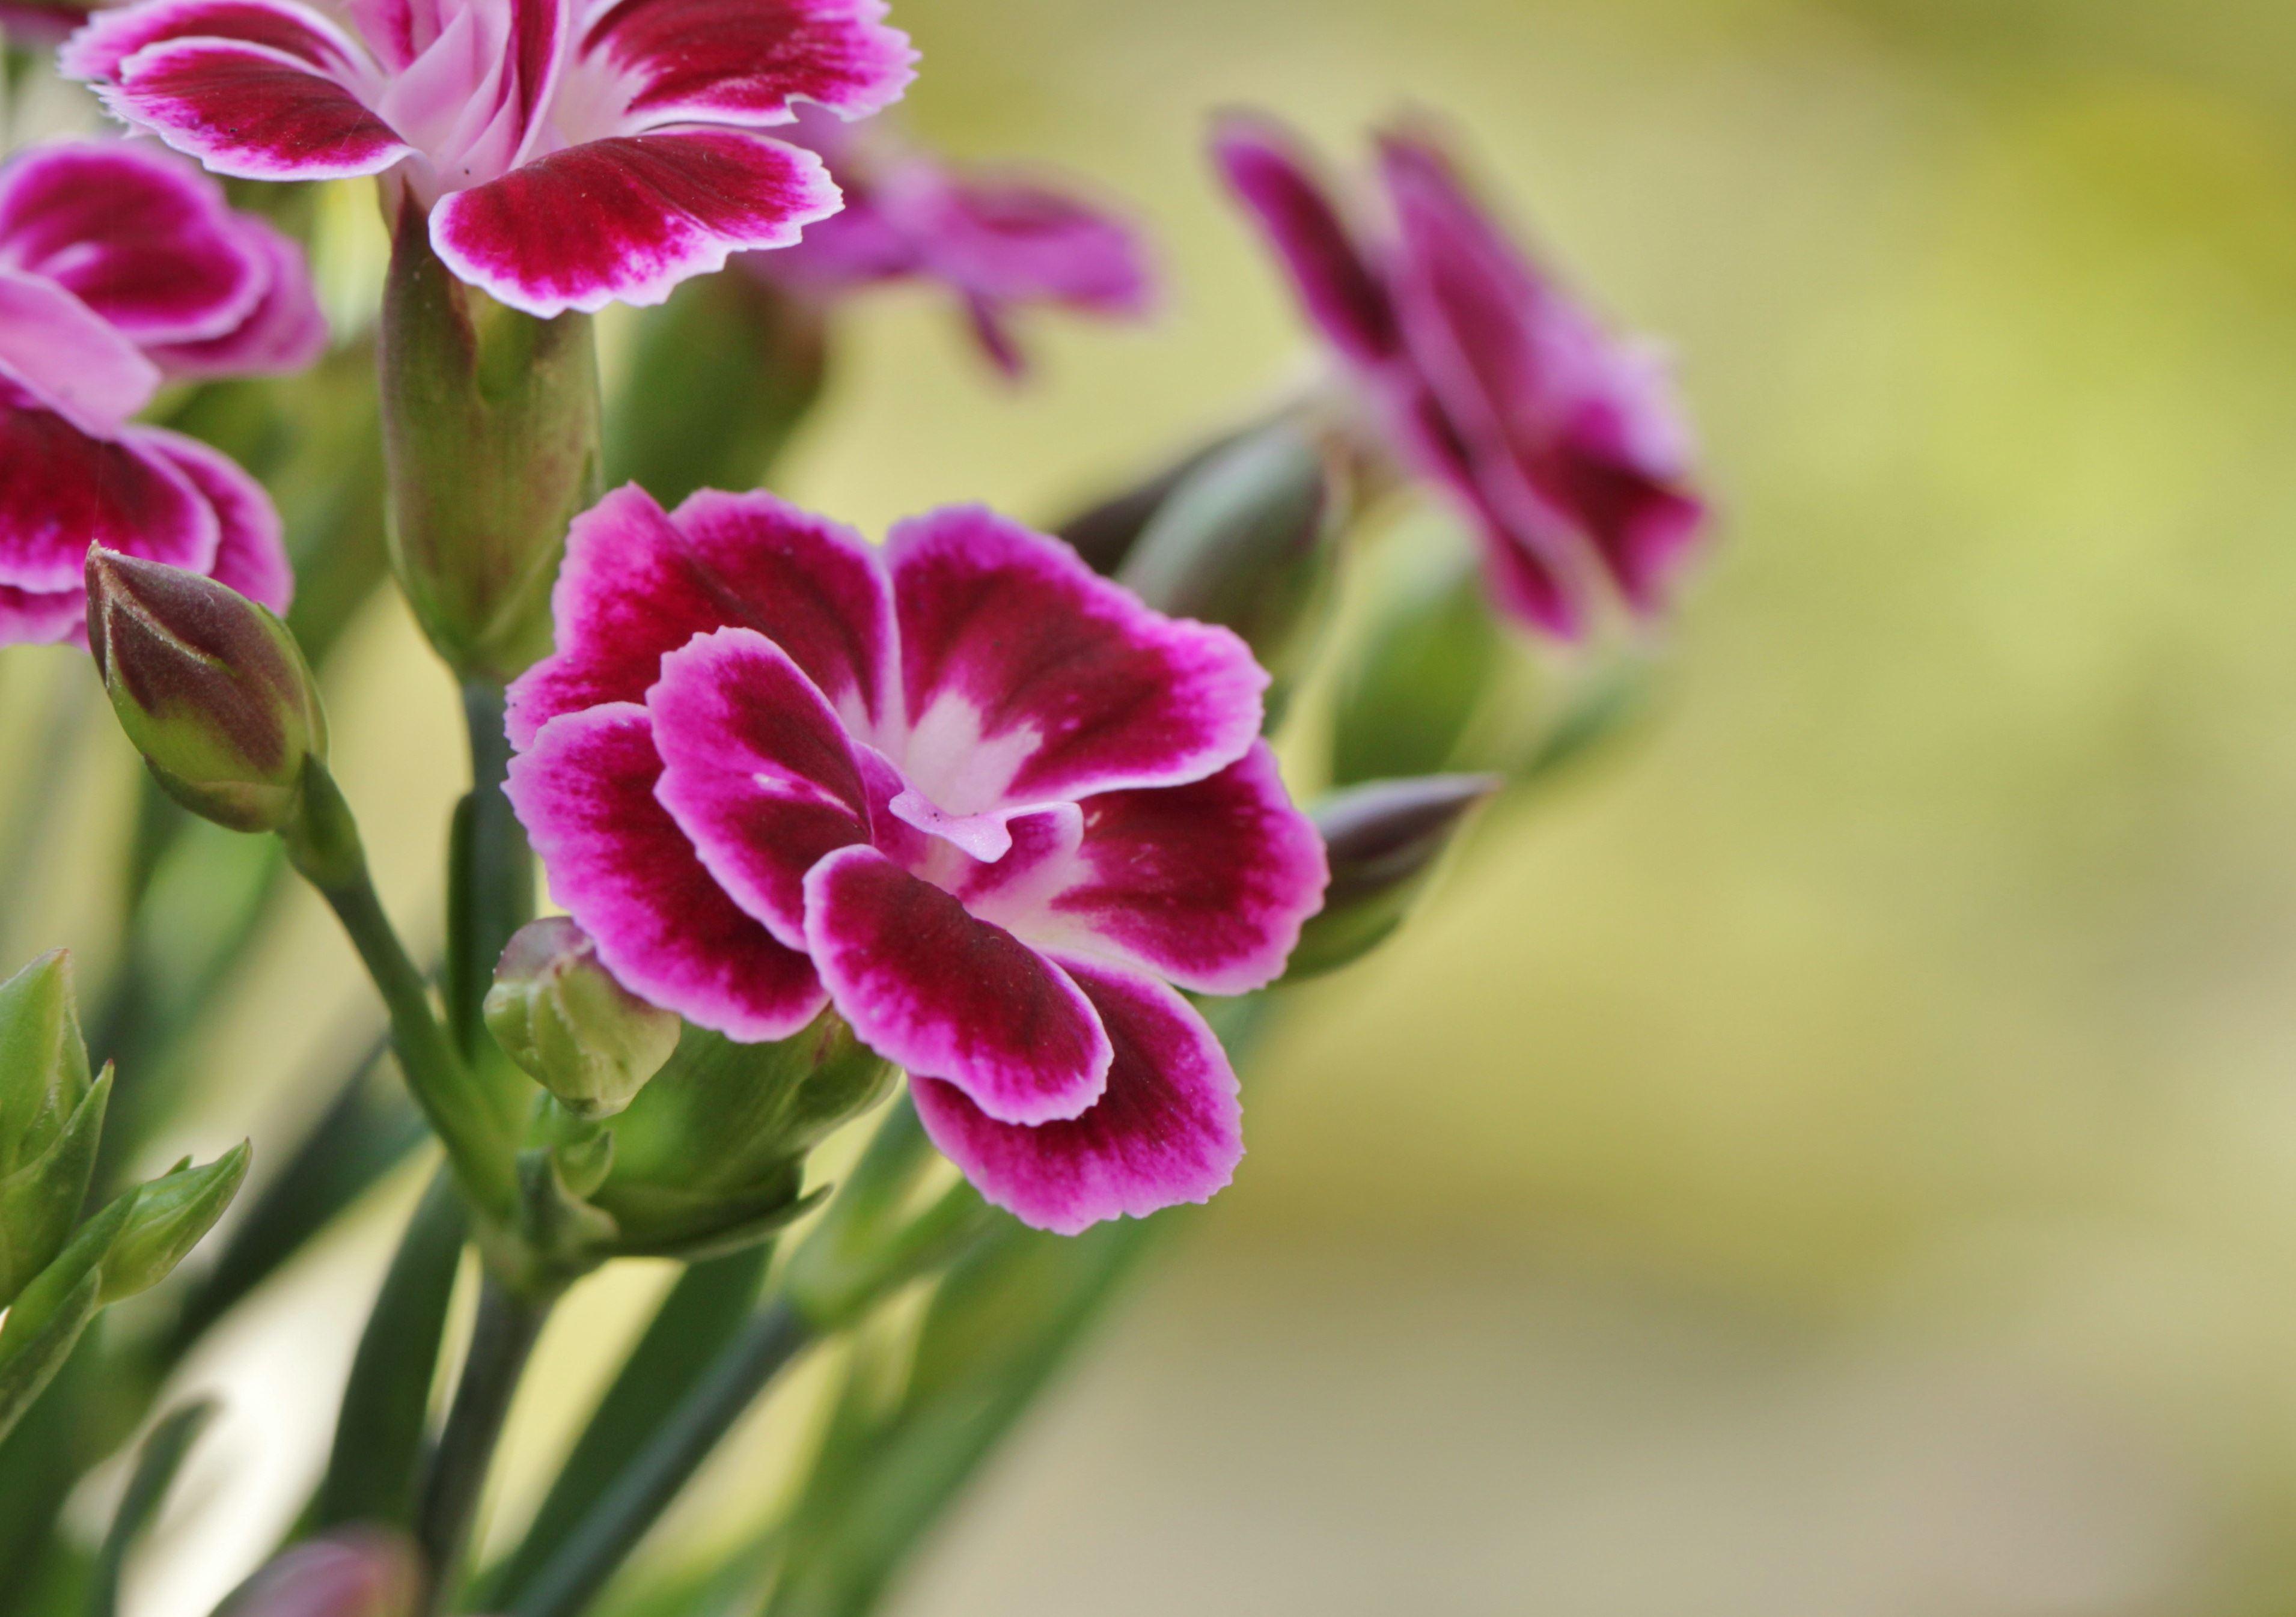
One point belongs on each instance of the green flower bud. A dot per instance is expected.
(210, 688)
(1105, 534)
(166, 1218)
(490, 433)
(1248, 539)
(559, 1014)
(711, 1156)
(1383, 841)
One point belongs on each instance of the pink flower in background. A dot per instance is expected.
(981, 800)
(120, 265)
(1565, 447)
(571, 153)
(998, 242)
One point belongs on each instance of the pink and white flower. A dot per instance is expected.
(1564, 446)
(998, 242)
(570, 153)
(983, 801)
(120, 266)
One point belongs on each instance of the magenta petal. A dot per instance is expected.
(284, 332)
(1205, 884)
(41, 617)
(926, 985)
(252, 111)
(755, 770)
(745, 61)
(1342, 293)
(144, 239)
(624, 220)
(1028, 677)
(112, 37)
(1167, 1130)
(585, 792)
(63, 490)
(637, 585)
(67, 356)
(251, 554)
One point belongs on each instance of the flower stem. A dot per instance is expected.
(508, 1323)
(489, 896)
(323, 846)
(589, 1555)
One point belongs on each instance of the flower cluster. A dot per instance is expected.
(997, 242)
(983, 802)
(570, 153)
(122, 267)
(1564, 446)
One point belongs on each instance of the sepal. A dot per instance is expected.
(167, 1217)
(1416, 678)
(559, 1015)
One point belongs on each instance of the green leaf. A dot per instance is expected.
(41, 1201)
(166, 1218)
(381, 1432)
(1412, 685)
(161, 1457)
(694, 1322)
(36, 1343)
(43, 1072)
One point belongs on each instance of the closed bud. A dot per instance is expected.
(558, 1013)
(1383, 841)
(166, 1218)
(1248, 540)
(490, 434)
(360, 1572)
(210, 688)
(51, 1119)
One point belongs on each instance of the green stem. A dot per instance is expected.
(323, 846)
(773, 1336)
(490, 886)
(503, 1339)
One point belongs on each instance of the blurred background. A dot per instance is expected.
(1835, 1152)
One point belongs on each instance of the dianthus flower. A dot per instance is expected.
(1564, 446)
(570, 153)
(997, 242)
(119, 266)
(985, 803)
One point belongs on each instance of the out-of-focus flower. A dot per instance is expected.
(1564, 446)
(569, 153)
(981, 800)
(998, 242)
(361, 1572)
(119, 266)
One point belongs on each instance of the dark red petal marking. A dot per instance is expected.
(744, 59)
(250, 111)
(1168, 1130)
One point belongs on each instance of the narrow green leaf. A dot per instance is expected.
(41, 1201)
(168, 1216)
(30, 1356)
(161, 1457)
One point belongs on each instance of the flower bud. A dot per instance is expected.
(1246, 539)
(360, 1572)
(490, 434)
(1104, 535)
(1383, 841)
(559, 1014)
(51, 1120)
(210, 688)
(166, 1218)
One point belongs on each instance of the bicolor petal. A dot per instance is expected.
(143, 239)
(637, 585)
(285, 331)
(250, 552)
(252, 110)
(63, 490)
(63, 355)
(1026, 676)
(756, 769)
(925, 984)
(585, 792)
(1167, 1130)
(625, 219)
(1341, 290)
(745, 62)
(1206, 884)
(99, 50)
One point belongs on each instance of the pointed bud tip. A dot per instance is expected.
(570, 1025)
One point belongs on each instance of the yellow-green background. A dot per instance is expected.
(1838, 1156)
